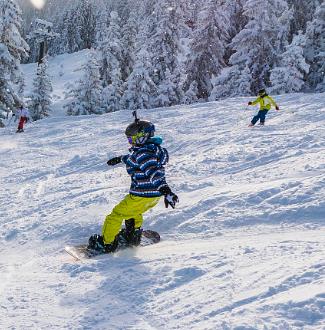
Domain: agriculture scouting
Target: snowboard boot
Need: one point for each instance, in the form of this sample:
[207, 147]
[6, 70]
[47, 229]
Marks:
[96, 242]
[136, 239]
[261, 124]
[132, 235]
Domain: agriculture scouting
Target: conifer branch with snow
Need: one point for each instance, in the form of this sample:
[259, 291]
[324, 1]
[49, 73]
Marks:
[41, 99]
[13, 48]
[86, 97]
[290, 75]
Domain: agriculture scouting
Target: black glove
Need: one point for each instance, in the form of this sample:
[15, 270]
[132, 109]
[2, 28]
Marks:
[170, 198]
[249, 103]
[114, 161]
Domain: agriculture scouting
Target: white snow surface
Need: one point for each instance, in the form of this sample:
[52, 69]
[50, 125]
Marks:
[243, 250]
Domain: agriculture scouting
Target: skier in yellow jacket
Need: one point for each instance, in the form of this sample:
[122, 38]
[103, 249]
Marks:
[265, 102]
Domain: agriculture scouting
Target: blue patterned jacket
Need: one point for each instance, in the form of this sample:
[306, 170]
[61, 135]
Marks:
[145, 165]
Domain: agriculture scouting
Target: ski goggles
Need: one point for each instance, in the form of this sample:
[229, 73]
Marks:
[138, 138]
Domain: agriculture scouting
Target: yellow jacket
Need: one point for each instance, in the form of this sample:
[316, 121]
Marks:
[265, 102]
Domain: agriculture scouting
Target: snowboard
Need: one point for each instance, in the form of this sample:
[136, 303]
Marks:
[80, 252]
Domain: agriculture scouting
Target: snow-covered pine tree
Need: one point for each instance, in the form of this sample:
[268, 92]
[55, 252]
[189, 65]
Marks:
[285, 16]
[110, 46]
[259, 44]
[110, 49]
[289, 76]
[86, 97]
[112, 93]
[167, 91]
[232, 81]
[7, 94]
[122, 8]
[102, 24]
[42, 32]
[13, 48]
[21, 87]
[207, 47]
[315, 49]
[67, 43]
[85, 15]
[303, 11]
[234, 10]
[139, 87]
[76, 27]
[129, 33]
[225, 83]
[190, 96]
[163, 45]
[41, 99]
[187, 12]
[29, 13]
[244, 82]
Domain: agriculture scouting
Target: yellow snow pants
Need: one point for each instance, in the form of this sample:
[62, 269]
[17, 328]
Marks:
[130, 207]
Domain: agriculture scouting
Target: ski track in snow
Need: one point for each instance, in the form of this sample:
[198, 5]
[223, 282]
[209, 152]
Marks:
[243, 250]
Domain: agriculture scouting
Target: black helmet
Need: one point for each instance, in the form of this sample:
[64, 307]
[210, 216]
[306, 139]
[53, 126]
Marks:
[261, 92]
[140, 131]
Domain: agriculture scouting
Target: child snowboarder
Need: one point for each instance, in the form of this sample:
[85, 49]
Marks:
[145, 164]
[265, 102]
[23, 116]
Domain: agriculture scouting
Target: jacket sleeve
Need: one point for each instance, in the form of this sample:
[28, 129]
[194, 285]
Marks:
[164, 157]
[124, 158]
[272, 101]
[256, 101]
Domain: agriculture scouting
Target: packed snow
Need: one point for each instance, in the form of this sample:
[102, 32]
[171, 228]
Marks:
[244, 249]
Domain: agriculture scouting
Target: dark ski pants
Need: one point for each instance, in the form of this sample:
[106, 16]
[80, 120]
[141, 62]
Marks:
[260, 116]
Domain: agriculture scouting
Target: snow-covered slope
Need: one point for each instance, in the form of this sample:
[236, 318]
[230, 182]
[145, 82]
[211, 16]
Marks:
[244, 249]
